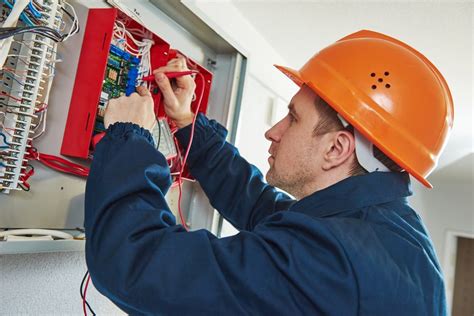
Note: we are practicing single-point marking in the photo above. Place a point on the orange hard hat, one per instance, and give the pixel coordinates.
(393, 95)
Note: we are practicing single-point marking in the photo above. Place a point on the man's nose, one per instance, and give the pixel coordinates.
(275, 132)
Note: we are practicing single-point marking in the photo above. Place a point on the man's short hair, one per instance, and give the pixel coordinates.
(330, 122)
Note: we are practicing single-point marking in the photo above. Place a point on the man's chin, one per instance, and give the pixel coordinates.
(268, 177)
(271, 178)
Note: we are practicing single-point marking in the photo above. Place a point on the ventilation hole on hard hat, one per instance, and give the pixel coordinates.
(372, 74)
(374, 87)
(386, 73)
(380, 80)
(387, 86)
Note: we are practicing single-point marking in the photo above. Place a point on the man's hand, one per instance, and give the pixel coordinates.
(177, 101)
(137, 108)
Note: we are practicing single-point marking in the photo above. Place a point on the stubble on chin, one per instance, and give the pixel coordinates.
(269, 176)
(287, 183)
(274, 179)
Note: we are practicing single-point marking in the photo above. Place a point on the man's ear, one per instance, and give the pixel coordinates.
(339, 149)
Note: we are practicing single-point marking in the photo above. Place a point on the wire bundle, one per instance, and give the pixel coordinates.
(74, 21)
(6, 32)
(83, 290)
(124, 38)
(35, 20)
(25, 15)
(58, 163)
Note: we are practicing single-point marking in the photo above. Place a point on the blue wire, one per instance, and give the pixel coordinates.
(33, 10)
(13, 77)
(22, 15)
(4, 138)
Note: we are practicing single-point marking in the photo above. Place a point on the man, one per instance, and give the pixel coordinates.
(348, 245)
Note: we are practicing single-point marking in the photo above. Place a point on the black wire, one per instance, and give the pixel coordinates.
(82, 292)
(46, 33)
(3, 104)
(51, 33)
(24, 188)
(76, 24)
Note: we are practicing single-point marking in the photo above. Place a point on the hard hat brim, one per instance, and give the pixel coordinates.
(293, 74)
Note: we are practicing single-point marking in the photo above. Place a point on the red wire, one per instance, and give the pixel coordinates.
(58, 163)
(41, 109)
(13, 70)
(85, 293)
(9, 95)
(7, 129)
(183, 222)
(24, 178)
(170, 75)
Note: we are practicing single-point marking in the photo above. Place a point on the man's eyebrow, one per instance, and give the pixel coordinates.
(291, 108)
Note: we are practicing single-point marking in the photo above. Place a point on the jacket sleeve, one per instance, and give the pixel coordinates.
(234, 186)
(146, 264)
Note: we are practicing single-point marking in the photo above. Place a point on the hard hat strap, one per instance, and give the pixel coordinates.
(365, 151)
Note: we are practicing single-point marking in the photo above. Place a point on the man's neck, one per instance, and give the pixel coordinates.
(324, 181)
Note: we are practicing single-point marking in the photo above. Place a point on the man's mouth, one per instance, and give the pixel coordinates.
(271, 159)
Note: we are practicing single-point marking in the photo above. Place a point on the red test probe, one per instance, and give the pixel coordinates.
(171, 75)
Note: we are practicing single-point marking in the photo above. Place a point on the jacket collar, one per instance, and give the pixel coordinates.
(354, 193)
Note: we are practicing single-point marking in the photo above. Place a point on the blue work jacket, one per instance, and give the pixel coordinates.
(355, 248)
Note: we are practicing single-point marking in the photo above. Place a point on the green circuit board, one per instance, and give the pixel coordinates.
(120, 78)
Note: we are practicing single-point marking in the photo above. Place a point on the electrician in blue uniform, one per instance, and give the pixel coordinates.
(349, 243)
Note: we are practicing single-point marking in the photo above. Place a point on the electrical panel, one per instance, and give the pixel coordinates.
(119, 54)
(28, 54)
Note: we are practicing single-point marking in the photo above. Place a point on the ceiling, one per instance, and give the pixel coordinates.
(441, 30)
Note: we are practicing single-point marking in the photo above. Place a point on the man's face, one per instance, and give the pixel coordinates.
(295, 153)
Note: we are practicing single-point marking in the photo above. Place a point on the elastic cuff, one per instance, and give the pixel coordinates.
(125, 130)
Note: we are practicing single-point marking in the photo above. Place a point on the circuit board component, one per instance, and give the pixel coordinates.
(120, 79)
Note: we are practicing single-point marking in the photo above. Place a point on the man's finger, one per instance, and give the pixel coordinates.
(165, 87)
(169, 68)
(143, 91)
